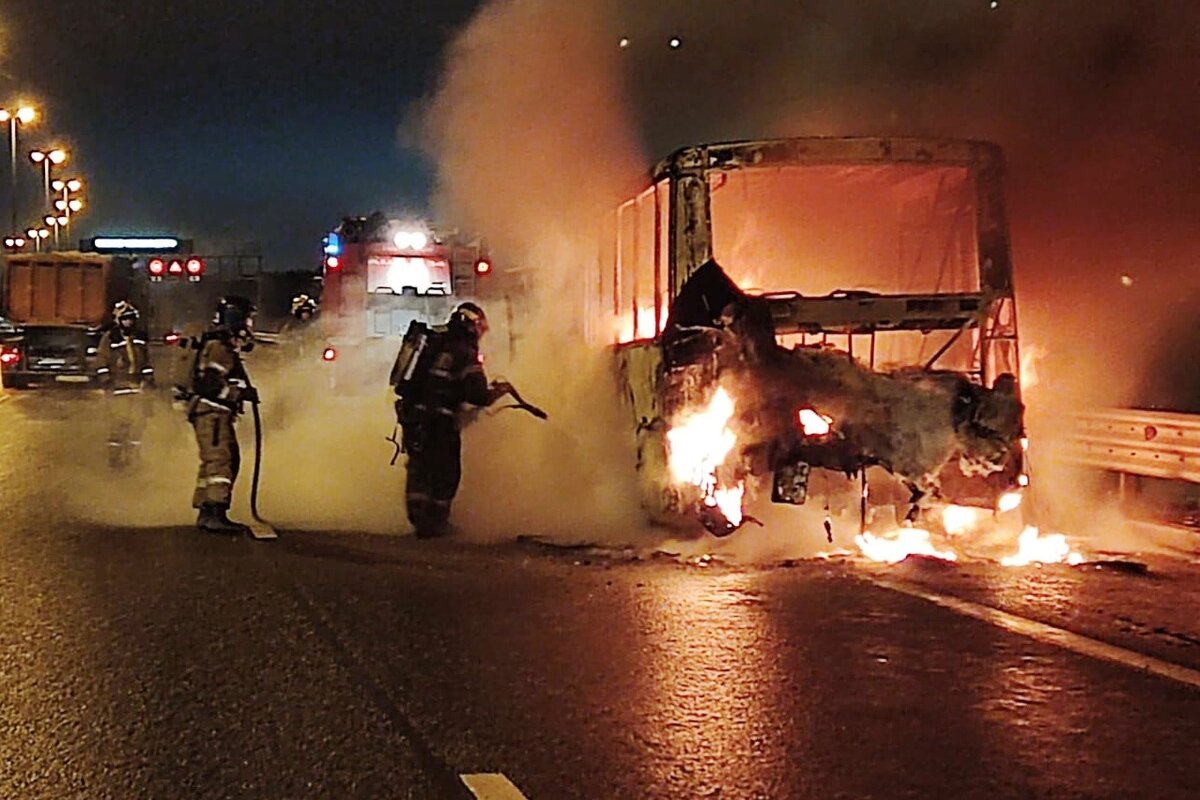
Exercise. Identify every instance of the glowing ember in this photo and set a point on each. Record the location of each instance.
(962, 519)
(698, 446)
(814, 424)
(1010, 501)
(1033, 548)
(899, 545)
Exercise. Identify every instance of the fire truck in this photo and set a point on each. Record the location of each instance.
(378, 275)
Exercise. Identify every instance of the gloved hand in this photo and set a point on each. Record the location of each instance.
(249, 395)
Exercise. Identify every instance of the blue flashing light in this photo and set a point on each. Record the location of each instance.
(333, 245)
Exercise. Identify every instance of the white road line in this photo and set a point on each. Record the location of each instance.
(492, 786)
(1049, 634)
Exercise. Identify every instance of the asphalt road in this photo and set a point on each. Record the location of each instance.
(143, 660)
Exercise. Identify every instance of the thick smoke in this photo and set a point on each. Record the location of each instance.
(542, 118)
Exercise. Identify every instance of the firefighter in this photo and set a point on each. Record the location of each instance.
(448, 374)
(220, 387)
(299, 334)
(304, 308)
(125, 371)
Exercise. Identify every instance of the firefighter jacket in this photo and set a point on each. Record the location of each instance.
(448, 375)
(124, 360)
(219, 381)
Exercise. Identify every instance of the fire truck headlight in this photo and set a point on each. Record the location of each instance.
(410, 240)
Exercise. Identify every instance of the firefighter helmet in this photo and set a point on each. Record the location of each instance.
(235, 314)
(471, 317)
(125, 310)
(303, 304)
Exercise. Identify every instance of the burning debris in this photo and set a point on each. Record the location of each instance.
(899, 545)
(784, 411)
(1034, 548)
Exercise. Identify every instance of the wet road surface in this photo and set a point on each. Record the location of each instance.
(147, 660)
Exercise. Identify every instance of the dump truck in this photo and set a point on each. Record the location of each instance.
(825, 320)
(56, 305)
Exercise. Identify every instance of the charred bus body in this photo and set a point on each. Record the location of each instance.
(849, 300)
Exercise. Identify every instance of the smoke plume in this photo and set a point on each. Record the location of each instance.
(547, 112)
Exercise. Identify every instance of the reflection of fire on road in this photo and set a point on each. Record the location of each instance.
(698, 445)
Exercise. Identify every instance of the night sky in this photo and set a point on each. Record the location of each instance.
(228, 120)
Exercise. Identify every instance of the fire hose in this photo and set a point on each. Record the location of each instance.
(263, 529)
(519, 403)
(257, 462)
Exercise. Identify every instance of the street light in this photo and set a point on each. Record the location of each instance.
(48, 158)
(23, 115)
(56, 222)
(67, 204)
(37, 235)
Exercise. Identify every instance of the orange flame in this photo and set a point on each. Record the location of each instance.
(698, 445)
(814, 424)
(631, 328)
(1034, 548)
(899, 545)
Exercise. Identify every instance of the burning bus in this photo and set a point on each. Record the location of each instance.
(822, 319)
(378, 276)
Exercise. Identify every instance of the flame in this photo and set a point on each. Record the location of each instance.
(697, 447)
(1032, 356)
(1009, 501)
(899, 545)
(629, 328)
(814, 424)
(729, 503)
(1033, 548)
(962, 519)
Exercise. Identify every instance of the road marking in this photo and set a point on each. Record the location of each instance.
(1049, 634)
(492, 786)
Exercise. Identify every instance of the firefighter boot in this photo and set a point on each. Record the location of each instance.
(205, 518)
(216, 520)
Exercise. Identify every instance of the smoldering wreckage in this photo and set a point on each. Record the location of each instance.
(945, 439)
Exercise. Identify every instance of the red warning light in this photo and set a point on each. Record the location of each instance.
(175, 268)
(171, 338)
(483, 266)
(156, 267)
(195, 267)
(333, 263)
(329, 354)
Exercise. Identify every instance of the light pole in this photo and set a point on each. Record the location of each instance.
(56, 223)
(23, 115)
(37, 236)
(47, 158)
(67, 205)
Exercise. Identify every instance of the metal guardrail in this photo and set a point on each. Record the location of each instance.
(1153, 444)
